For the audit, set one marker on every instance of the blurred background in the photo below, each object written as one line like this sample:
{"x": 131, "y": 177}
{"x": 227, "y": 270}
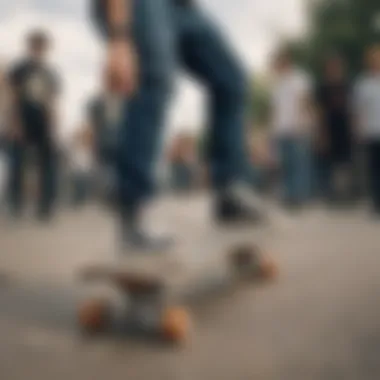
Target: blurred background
{"x": 313, "y": 132}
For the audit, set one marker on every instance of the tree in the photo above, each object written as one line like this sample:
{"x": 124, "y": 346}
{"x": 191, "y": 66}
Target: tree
{"x": 259, "y": 102}
{"x": 346, "y": 27}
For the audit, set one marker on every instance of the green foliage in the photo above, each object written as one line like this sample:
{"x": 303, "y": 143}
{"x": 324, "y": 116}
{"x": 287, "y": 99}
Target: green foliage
{"x": 346, "y": 27}
{"x": 259, "y": 102}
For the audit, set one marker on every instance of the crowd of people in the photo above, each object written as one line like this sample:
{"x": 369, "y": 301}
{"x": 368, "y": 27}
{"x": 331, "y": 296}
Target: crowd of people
{"x": 308, "y": 151}
{"x": 324, "y": 126}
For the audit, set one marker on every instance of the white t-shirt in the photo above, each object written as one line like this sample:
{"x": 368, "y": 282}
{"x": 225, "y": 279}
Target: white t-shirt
{"x": 288, "y": 103}
{"x": 367, "y": 105}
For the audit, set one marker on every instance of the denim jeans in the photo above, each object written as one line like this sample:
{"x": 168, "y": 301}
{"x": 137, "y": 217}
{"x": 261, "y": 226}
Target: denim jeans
{"x": 296, "y": 162}
{"x": 183, "y": 177}
{"x": 373, "y": 149}
{"x": 169, "y": 37}
{"x": 328, "y": 177}
{"x": 47, "y": 175}
{"x": 81, "y": 188}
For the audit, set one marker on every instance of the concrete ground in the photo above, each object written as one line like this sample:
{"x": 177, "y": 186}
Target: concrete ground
{"x": 319, "y": 320}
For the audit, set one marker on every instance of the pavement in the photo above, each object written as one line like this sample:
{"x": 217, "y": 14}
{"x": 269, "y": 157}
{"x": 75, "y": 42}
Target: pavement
{"x": 319, "y": 320}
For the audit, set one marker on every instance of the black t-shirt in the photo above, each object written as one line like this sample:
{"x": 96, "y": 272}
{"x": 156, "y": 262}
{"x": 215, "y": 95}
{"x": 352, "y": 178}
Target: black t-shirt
{"x": 35, "y": 85}
{"x": 334, "y": 102}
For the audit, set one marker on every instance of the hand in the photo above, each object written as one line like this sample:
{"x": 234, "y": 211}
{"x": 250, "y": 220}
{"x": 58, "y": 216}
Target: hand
{"x": 121, "y": 67}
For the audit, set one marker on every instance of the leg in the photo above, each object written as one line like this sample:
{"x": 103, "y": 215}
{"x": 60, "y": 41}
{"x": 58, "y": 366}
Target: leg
{"x": 372, "y": 172}
{"x": 145, "y": 114}
{"x": 286, "y": 157}
{"x": 141, "y": 131}
{"x": 16, "y": 176}
{"x": 321, "y": 175}
{"x": 205, "y": 53}
{"x": 376, "y": 171}
{"x": 79, "y": 189}
{"x": 47, "y": 178}
{"x": 302, "y": 170}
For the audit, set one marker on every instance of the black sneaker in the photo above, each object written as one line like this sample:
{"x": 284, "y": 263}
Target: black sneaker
{"x": 375, "y": 213}
{"x": 240, "y": 206}
{"x": 292, "y": 205}
{"x": 44, "y": 215}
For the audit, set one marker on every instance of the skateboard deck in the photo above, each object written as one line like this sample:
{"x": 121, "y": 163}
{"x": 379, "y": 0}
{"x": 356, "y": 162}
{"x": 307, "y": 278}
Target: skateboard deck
{"x": 205, "y": 259}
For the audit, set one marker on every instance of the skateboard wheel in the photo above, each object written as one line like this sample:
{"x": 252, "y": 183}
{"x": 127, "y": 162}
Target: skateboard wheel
{"x": 93, "y": 316}
{"x": 176, "y": 325}
{"x": 268, "y": 269}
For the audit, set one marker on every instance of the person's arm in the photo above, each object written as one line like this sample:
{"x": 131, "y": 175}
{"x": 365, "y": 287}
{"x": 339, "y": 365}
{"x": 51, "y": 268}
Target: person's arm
{"x": 307, "y": 103}
{"x": 119, "y": 17}
{"x": 121, "y": 61}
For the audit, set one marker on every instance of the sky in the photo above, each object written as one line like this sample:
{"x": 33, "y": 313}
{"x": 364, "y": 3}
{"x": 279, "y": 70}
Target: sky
{"x": 254, "y": 26}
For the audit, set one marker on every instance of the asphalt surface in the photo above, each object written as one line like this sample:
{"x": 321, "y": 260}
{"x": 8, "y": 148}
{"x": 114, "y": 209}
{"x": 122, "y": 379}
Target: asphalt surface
{"x": 319, "y": 320}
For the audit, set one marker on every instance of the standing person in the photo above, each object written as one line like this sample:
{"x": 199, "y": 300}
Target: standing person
{"x": 291, "y": 121}
{"x": 34, "y": 87}
{"x": 367, "y": 112}
{"x": 105, "y": 114}
{"x": 334, "y": 135}
{"x": 81, "y": 160}
{"x": 146, "y": 39}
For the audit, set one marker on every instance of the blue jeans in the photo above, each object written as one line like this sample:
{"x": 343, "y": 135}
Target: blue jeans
{"x": 81, "y": 188}
{"x": 183, "y": 176}
{"x": 168, "y": 36}
{"x": 296, "y": 162}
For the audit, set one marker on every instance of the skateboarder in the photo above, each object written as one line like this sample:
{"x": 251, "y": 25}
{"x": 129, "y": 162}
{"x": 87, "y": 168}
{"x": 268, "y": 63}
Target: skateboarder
{"x": 146, "y": 41}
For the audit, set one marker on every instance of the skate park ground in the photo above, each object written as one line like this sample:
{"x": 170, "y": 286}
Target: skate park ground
{"x": 319, "y": 320}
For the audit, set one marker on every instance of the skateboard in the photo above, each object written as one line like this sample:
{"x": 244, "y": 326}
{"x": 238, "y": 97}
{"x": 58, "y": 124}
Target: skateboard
{"x": 159, "y": 290}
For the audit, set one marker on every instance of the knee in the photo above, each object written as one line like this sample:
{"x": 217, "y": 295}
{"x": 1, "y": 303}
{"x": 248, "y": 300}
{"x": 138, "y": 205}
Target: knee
{"x": 159, "y": 81}
{"x": 234, "y": 86}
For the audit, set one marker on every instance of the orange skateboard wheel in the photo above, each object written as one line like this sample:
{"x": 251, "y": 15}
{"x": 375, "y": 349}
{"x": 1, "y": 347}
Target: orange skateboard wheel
{"x": 268, "y": 269}
{"x": 93, "y": 316}
{"x": 176, "y": 324}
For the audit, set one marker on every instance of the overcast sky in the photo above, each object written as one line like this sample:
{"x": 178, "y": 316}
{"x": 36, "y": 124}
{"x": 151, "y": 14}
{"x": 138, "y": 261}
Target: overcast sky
{"x": 254, "y": 26}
